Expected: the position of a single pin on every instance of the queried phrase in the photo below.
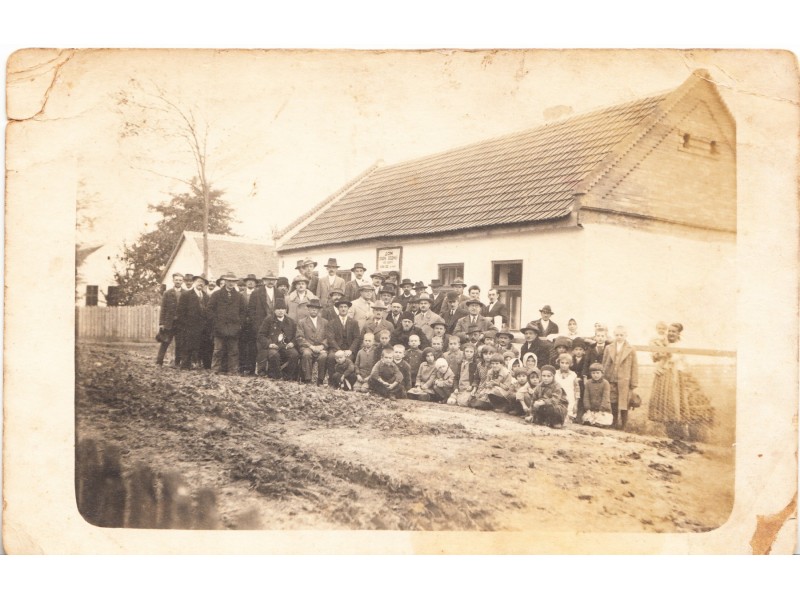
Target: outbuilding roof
(529, 176)
(230, 253)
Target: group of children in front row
(486, 376)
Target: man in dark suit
(540, 348)
(276, 344)
(473, 318)
(247, 338)
(265, 297)
(312, 340)
(395, 313)
(547, 328)
(167, 320)
(343, 333)
(226, 310)
(452, 312)
(193, 322)
(495, 308)
(437, 296)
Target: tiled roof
(228, 253)
(519, 178)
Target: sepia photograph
(319, 294)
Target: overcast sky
(288, 128)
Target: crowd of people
(394, 338)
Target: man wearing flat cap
(330, 282)
(226, 310)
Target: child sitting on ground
(568, 380)
(365, 360)
(386, 380)
(441, 385)
(466, 382)
(414, 357)
(425, 373)
(525, 393)
(597, 399)
(493, 390)
(343, 376)
(549, 404)
(514, 407)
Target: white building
(94, 277)
(625, 215)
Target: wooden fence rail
(134, 323)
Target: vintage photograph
(440, 291)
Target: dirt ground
(286, 456)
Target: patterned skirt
(677, 398)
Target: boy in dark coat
(549, 404)
(386, 379)
(597, 399)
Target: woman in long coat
(676, 399)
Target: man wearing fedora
(193, 322)
(312, 342)
(331, 282)
(343, 333)
(458, 285)
(353, 288)
(377, 322)
(473, 318)
(405, 292)
(313, 278)
(277, 344)
(297, 301)
(426, 318)
(265, 296)
(330, 311)
(452, 312)
(247, 338)
(168, 320)
(377, 282)
(547, 328)
(226, 310)
(437, 296)
(361, 310)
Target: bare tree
(150, 112)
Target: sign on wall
(390, 259)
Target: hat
(509, 354)
(459, 281)
(188, 276)
(473, 301)
(341, 301)
(497, 357)
(531, 327)
(595, 367)
(359, 266)
(220, 280)
(280, 303)
(423, 296)
(578, 342)
(308, 261)
(453, 296)
(332, 264)
(407, 316)
(251, 276)
(473, 329)
(335, 291)
(203, 277)
(490, 334)
(365, 286)
(388, 289)
(507, 334)
(229, 276)
(532, 371)
(549, 368)
(546, 309)
(562, 341)
(314, 303)
(413, 300)
(282, 281)
(300, 278)
(440, 362)
(300, 264)
(436, 283)
(378, 274)
(462, 337)
(406, 282)
(378, 305)
(420, 286)
(517, 371)
(270, 275)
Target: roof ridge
(227, 238)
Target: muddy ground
(287, 456)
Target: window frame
(514, 317)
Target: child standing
(454, 355)
(568, 380)
(466, 382)
(405, 368)
(343, 375)
(622, 372)
(548, 400)
(579, 366)
(386, 380)
(414, 357)
(597, 401)
(438, 350)
(365, 360)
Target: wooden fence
(132, 323)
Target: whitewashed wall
(189, 259)
(97, 269)
(607, 273)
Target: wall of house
(96, 269)
(605, 272)
(189, 259)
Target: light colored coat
(324, 288)
(361, 312)
(426, 320)
(621, 369)
(296, 306)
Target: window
(112, 298)
(507, 280)
(91, 295)
(448, 273)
